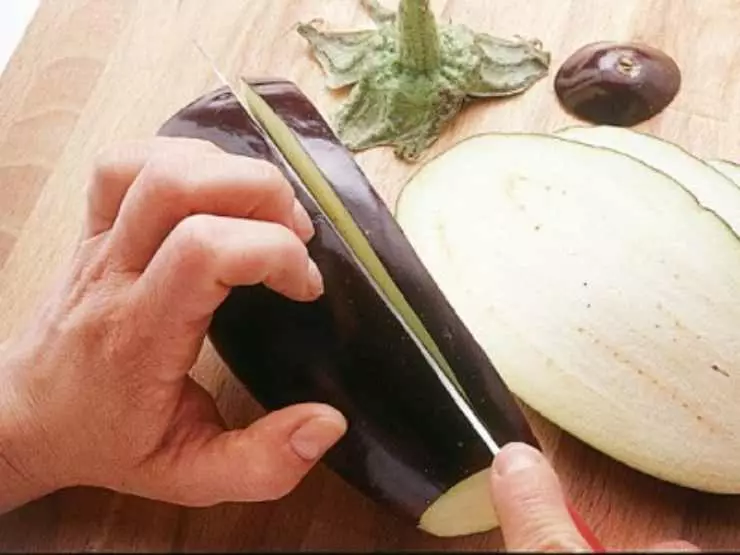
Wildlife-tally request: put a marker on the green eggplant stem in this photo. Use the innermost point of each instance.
(410, 77)
(418, 37)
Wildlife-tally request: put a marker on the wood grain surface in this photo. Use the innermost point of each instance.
(90, 73)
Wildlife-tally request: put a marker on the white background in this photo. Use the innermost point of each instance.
(15, 15)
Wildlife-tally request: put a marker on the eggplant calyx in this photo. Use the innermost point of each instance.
(410, 78)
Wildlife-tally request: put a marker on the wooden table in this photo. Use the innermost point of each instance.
(93, 72)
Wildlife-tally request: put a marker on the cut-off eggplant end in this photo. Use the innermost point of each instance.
(463, 510)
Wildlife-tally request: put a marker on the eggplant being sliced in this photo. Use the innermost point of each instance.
(409, 446)
(731, 170)
(712, 188)
(604, 293)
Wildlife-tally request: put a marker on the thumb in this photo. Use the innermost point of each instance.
(263, 462)
(530, 503)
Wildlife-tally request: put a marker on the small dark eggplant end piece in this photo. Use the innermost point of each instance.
(408, 445)
(620, 84)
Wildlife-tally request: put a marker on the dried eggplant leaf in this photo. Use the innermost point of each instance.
(508, 67)
(404, 93)
(377, 12)
(346, 56)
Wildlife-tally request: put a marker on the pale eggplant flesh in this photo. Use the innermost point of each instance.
(408, 442)
(608, 296)
(712, 189)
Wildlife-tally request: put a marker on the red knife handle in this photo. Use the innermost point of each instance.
(585, 531)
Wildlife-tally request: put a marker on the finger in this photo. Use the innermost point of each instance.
(530, 503)
(205, 256)
(117, 168)
(263, 462)
(675, 546)
(173, 186)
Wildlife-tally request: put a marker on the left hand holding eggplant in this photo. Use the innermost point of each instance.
(96, 388)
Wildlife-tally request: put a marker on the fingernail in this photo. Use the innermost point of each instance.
(315, 437)
(315, 280)
(302, 224)
(516, 457)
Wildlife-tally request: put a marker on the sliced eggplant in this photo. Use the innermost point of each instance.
(617, 83)
(409, 443)
(730, 170)
(713, 189)
(604, 293)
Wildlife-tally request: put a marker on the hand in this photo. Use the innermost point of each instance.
(532, 508)
(96, 388)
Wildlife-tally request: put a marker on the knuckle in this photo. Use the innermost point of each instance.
(161, 181)
(192, 143)
(200, 502)
(193, 238)
(279, 491)
(286, 244)
(271, 475)
(165, 174)
(270, 483)
(188, 494)
(185, 148)
(263, 169)
(553, 540)
(159, 157)
(166, 144)
(106, 158)
(276, 184)
(104, 169)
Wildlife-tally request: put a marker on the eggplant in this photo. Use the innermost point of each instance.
(731, 170)
(409, 445)
(712, 188)
(620, 84)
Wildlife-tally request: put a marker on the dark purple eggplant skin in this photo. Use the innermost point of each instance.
(407, 441)
(619, 84)
(490, 397)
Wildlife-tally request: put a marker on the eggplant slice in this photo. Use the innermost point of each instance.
(712, 188)
(731, 170)
(606, 295)
(408, 446)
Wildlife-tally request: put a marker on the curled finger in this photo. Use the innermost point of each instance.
(116, 169)
(205, 256)
(173, 186)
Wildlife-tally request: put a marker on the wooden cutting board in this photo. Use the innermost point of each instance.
(93, 72)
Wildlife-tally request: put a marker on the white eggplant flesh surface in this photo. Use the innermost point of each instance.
(467, 507)
(730, 169)
(605, 294)
(712, 188)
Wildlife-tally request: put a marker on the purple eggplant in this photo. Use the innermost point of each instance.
(620, 84)
(408, 446)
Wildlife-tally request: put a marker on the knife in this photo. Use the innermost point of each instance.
(288, 148)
